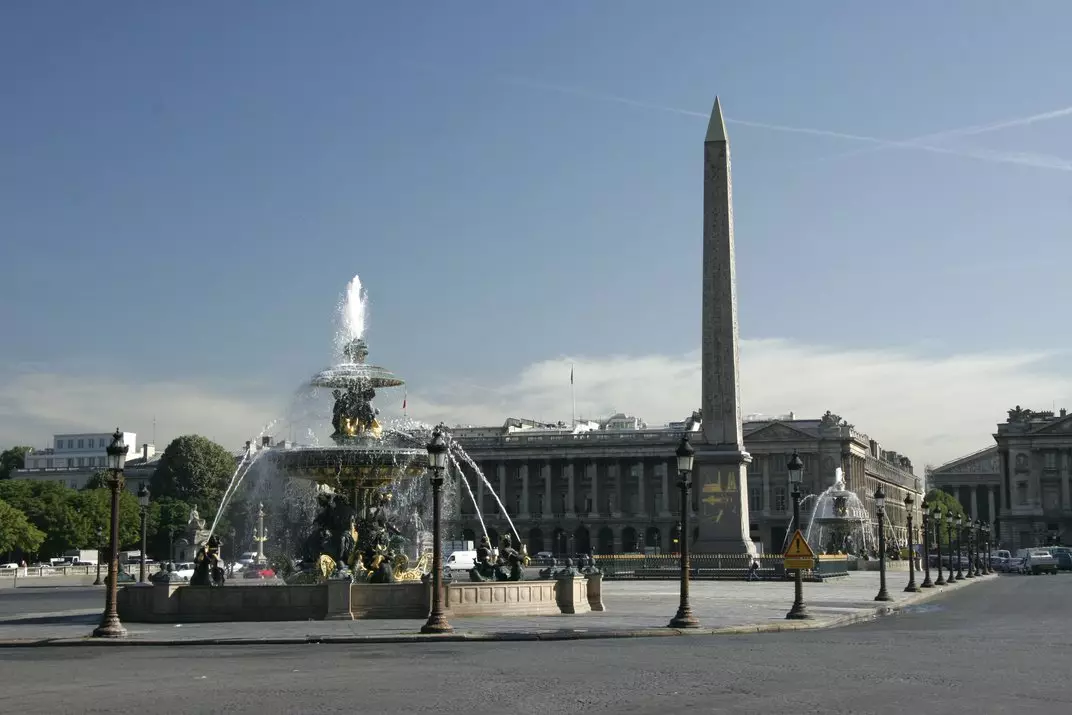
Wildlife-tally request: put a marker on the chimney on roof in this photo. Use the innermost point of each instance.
(1064, 412)
(248, 444)
(145, 453)
(266, 441)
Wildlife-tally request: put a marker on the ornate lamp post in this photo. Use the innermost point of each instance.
(880, 511)
(911, 587)
(960, 527)
(989, 549)
(925, 508)
(796, 475)
(437, 463)
(972, 548)
(110, 627)
(100, 554)
(143, 503)
(936, 520)
(949, 542)
(684, 618)
(978, 532)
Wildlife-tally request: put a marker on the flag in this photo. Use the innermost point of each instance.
(405, 397)
(571, 374)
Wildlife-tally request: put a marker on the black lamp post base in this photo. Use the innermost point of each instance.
(912, 588)
(684, 619)
(883, 596)
(110, 628)
(927, 583)
(799, 612)
(437, 623)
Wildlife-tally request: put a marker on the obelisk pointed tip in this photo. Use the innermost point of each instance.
(716, 128)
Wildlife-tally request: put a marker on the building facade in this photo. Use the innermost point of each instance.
(1022, 484)
(615, 490)
(74, 458)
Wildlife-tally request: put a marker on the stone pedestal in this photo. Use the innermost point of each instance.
(722, 489)
(595, 592)
(338, 600)
(571, 593)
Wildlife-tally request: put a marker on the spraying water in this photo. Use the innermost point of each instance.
(469, 489)
(353, 315)
(469, 460)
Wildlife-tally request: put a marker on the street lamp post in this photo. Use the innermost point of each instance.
(110, 627)
(949, 542)
(979, 569)
(936, 520)
(437, 463)
(143, 504)
(880, 511)
(684, 618)
(926, 513)
(796, 475)
(911, 587)
(972, 548)
(960, 527)
(100, 553)
(989, 549)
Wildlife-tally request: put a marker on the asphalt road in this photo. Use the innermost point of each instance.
(48, 599)
(1001, 647)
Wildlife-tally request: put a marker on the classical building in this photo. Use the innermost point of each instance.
(74, 458)
(615, 490)
(1022, 484)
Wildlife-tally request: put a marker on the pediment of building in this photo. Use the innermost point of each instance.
(778, 432)
(1060, 427)
(986, 461)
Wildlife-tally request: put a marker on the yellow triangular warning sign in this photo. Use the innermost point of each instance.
(798, 548)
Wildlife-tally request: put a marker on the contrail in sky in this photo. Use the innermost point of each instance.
(1041, 161)
(963, 132)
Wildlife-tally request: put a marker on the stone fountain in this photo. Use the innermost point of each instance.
(840, 523)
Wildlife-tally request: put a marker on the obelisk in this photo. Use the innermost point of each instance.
(721, 464)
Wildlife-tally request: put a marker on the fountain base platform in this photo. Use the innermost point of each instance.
(342, 600)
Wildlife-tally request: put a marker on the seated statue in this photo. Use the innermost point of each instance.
(207, 568)
(483, 569)
(508, 567)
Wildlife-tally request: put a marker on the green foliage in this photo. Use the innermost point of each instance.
(947, 503)
(168, 518)
(195, 470)
(99, 480)
(12, 459)
(16, 531)
(70, 519)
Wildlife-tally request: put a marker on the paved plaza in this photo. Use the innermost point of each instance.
(972, 650)
(634, 608)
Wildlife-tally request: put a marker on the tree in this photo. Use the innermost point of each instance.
(195, 470)
(16, 531)
(50, 507)
(99, 480)
(12, 459)
(168, 518)
(946, 503)
(94, 506)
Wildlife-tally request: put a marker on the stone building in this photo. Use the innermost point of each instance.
(615, 490)
(1021, 484)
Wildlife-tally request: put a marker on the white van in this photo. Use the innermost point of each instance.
(461, 560)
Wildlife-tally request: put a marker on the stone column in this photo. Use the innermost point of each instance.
(523, 472)
(593, 478)
(661, 474)
(1065, 504)
(501, 473)
(479, 493)
(638, 472)
(766, 488)
(545, 469)
(974, 491)
(990, 503)
(571, 495)
(614, 471)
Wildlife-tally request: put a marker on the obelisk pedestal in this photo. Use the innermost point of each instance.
(721, 462)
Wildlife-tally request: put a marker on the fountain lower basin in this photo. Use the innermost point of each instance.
(341, 600)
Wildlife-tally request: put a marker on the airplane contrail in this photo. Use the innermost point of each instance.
(1040, 161)
(962, 132)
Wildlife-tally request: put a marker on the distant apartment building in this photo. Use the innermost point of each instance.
(73, 458)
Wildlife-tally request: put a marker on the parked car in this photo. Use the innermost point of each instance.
(1039, 561)
(1063, 554)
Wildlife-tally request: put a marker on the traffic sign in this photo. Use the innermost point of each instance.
(798, 548)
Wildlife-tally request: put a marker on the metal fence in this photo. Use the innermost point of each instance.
(714, 566)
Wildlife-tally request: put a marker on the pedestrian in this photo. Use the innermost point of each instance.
(753, 570)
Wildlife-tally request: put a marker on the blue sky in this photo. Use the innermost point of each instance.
(186, 190)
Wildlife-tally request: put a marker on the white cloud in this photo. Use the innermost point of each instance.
(36, 405)
(932, 409)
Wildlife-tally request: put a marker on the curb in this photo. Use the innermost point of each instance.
(819, 623)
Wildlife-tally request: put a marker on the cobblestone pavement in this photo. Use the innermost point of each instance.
(633, 608)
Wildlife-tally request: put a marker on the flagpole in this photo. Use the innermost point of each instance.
(573, 395)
